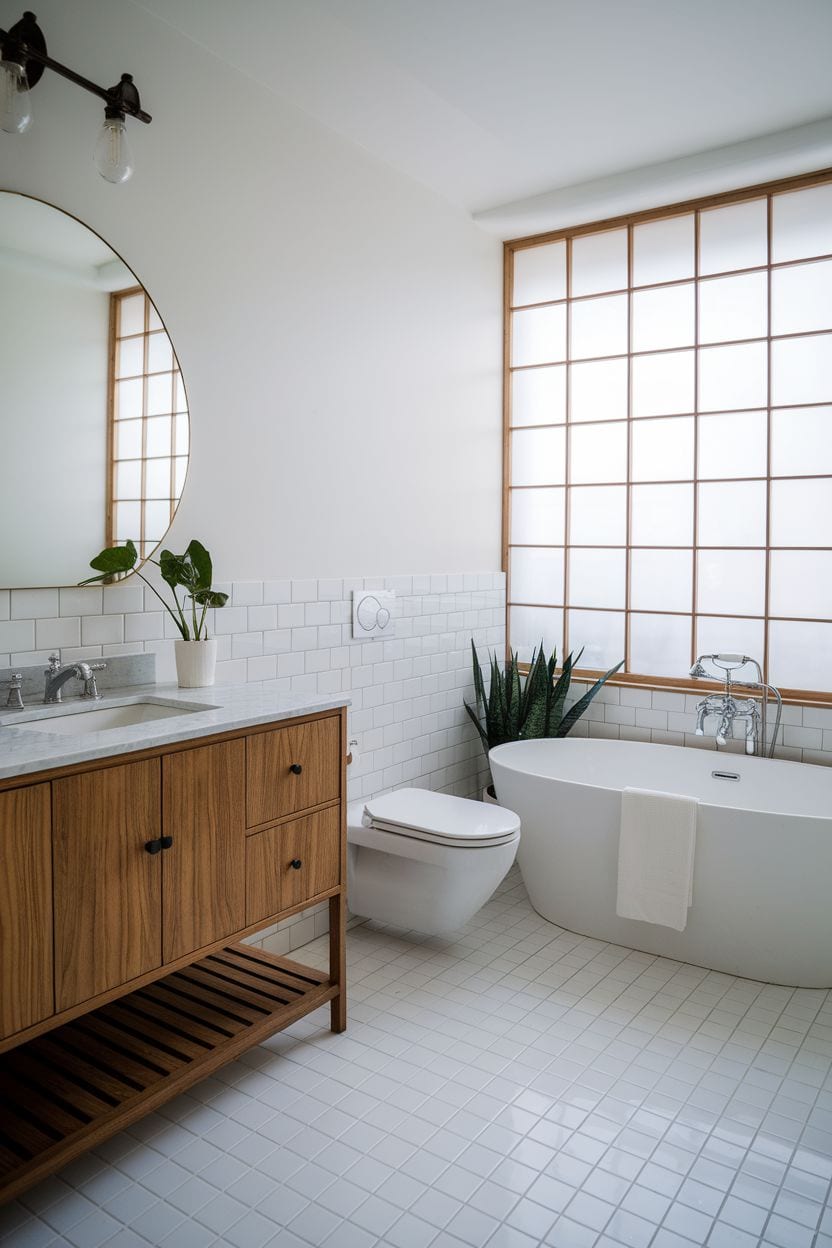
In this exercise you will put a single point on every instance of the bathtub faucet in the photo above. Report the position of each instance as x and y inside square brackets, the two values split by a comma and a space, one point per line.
[730, 709]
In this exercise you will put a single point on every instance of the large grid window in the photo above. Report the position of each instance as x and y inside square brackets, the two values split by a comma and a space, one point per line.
[149, 434]
[669, 437]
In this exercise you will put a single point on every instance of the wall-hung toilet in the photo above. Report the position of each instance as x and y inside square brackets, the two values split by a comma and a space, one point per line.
[426, 860]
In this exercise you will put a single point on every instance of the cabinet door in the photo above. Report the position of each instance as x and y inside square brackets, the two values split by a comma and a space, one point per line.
[25, 909]
[204, 885]
[107, 886]
[293, 768]
[292, 863]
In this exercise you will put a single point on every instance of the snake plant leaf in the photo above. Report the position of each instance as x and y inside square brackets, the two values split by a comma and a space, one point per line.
[537, 690]
[513, 698]
[479, 684]
[475, 719]
[560, 691]
[575, 712]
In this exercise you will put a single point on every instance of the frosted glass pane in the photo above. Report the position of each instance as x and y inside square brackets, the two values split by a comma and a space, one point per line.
[801, 583]
[538, 457]
[599, 262]
[156, 520]
[538, 396]
[661, 580]
[159, 392]
[130, 357]
[733, 237]
[154, 320]
[181, 401]
[597, 578]
[663, 449]
[733, 377]
[128, 479]
[183, 435]
[801, 513]
[159, 353]
[537, 517]
[801, 298]
[733, 307]
[801, 370]
[717, 636]
[598, 453]
[732, 444]
[127, 521]
[538, 335]
[599, 390]
[662, 515]
[800, 655]
[157, 441]
[180, 469]
[157, 478]
[536, 576]
[528, 626]
[598, 515]
[600, 634]
[663, 384]
[801, 441]
[663, 318]
[540, 273]
[599, 327]
[129, 399]
[802, 224]
[731, 582]
[131, 315]
[128, 439]
[732, 513]
[660, 645]
[663, 250]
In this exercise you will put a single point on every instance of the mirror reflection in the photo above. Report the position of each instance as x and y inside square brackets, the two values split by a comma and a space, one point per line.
[94, 418]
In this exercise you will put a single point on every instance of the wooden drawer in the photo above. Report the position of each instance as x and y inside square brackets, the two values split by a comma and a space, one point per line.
[26, 994]
[292, 769]
[273, 883]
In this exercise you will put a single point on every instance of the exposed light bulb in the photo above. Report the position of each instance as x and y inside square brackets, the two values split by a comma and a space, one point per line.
[15, 101]
[113, 157]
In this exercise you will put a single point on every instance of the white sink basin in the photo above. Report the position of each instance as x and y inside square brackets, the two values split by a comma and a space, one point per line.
[69, 721]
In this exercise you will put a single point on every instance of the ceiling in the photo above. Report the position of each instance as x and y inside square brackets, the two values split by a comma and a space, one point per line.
[491, 101]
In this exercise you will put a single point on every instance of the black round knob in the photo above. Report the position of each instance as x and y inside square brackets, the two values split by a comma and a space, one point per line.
[296, 769]
[167, 841]
[296, 864]
[153, 847]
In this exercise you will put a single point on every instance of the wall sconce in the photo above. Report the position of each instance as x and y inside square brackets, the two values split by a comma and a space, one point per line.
[23, 59]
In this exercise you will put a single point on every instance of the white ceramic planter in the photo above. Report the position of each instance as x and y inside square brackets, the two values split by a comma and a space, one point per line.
[488, 796]
[196, 663]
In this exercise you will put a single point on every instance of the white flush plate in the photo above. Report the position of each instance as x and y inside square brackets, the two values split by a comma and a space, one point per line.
[372, 613]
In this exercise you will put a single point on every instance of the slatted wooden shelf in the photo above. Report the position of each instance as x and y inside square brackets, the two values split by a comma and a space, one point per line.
[74, 1087]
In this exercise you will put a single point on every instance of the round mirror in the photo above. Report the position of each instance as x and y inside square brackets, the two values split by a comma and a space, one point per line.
[95, 431]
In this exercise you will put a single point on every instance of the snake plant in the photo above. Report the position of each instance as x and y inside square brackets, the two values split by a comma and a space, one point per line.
[517, 708]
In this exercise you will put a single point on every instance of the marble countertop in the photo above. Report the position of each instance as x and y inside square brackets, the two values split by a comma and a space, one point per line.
[27, 745]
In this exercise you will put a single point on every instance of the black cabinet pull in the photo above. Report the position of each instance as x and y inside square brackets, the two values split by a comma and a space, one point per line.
[296, 864]
[153, 847]
[167, 841]
[296, 769]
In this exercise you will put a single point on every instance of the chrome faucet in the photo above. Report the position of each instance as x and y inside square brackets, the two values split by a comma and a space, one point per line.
[729, 708]
[57, 677]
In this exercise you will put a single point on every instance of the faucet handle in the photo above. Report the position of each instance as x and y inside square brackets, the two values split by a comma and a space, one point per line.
[54, 663]
[98, 667]
[15, 695]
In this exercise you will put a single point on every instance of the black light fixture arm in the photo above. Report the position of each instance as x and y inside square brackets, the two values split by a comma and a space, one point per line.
[25, 44]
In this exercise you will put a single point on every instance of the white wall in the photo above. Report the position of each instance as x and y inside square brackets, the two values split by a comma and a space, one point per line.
[338, 325]
[53, 425]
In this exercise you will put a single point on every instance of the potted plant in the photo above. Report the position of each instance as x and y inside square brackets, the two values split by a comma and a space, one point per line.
[518, 708]
[196, 653]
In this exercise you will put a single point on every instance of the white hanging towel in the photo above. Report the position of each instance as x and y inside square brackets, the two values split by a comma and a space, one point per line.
[656, 847]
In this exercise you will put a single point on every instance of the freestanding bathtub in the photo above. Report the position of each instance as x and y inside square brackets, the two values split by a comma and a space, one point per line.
[762, 884]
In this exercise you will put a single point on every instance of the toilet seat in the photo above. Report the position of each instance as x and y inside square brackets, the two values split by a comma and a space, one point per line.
[422, 815]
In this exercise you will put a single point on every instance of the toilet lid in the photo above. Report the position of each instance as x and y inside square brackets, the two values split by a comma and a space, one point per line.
[429, 816]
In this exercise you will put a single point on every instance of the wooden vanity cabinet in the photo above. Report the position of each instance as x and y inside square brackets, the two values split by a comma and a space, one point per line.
[26, 992]
[143, 873]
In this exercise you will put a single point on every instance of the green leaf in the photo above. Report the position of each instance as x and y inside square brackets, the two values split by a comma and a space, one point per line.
[575, 712]
[210, 598]
[476, 722]
[112, 561]
[200, 560]
[172, 568]
[538, 685]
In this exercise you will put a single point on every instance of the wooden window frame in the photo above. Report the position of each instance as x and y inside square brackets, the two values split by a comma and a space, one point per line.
[628, 220]
[146, 546]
